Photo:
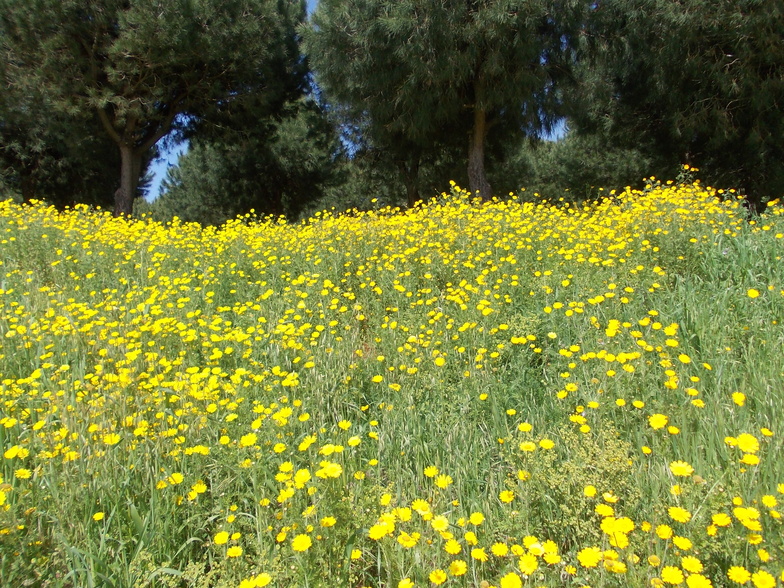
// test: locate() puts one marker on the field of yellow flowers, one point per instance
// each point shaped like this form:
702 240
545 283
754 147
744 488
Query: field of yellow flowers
504 393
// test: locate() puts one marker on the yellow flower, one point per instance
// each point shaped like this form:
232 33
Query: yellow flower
22 474
301 542
691 564
499 549
679 514
452 547
671 575
681 468
248 440
664 531
752 293
405 583
440 523
528 564
329 470
604 510
738 574
458 567
698 581
589 491
747 443
511 580
259 581
220 538
234 551
438 577
506 496
406 540
431 471
381 529
98 516
420 506
763 579
328 521
477 518
546 444
479 554
443 481
682 543
111 439
721 519
527 446
589 557
658 421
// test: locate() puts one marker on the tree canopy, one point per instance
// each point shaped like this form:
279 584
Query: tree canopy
141 66
432 72
273 166
421 92
694 82
53 156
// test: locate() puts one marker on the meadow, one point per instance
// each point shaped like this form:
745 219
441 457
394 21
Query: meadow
505 393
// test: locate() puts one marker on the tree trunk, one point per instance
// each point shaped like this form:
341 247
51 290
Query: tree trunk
27 186
477 180
131 163
410 171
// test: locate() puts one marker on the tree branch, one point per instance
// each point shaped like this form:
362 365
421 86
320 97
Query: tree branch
155 135
107 124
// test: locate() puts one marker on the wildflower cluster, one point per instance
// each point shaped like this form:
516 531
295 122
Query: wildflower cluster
499 393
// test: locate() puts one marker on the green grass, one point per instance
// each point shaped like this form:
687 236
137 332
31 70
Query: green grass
267 403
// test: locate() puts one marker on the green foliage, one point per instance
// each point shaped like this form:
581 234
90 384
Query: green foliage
141 67
553 483
48 155
271 167
575 168
689 82
424 74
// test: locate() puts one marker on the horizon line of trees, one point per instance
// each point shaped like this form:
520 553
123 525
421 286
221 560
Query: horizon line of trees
385 99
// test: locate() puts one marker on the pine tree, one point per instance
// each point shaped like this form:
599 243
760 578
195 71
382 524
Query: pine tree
693 82
425 73
270 166
49 157
146 68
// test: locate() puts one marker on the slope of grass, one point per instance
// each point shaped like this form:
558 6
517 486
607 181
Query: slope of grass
466 394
